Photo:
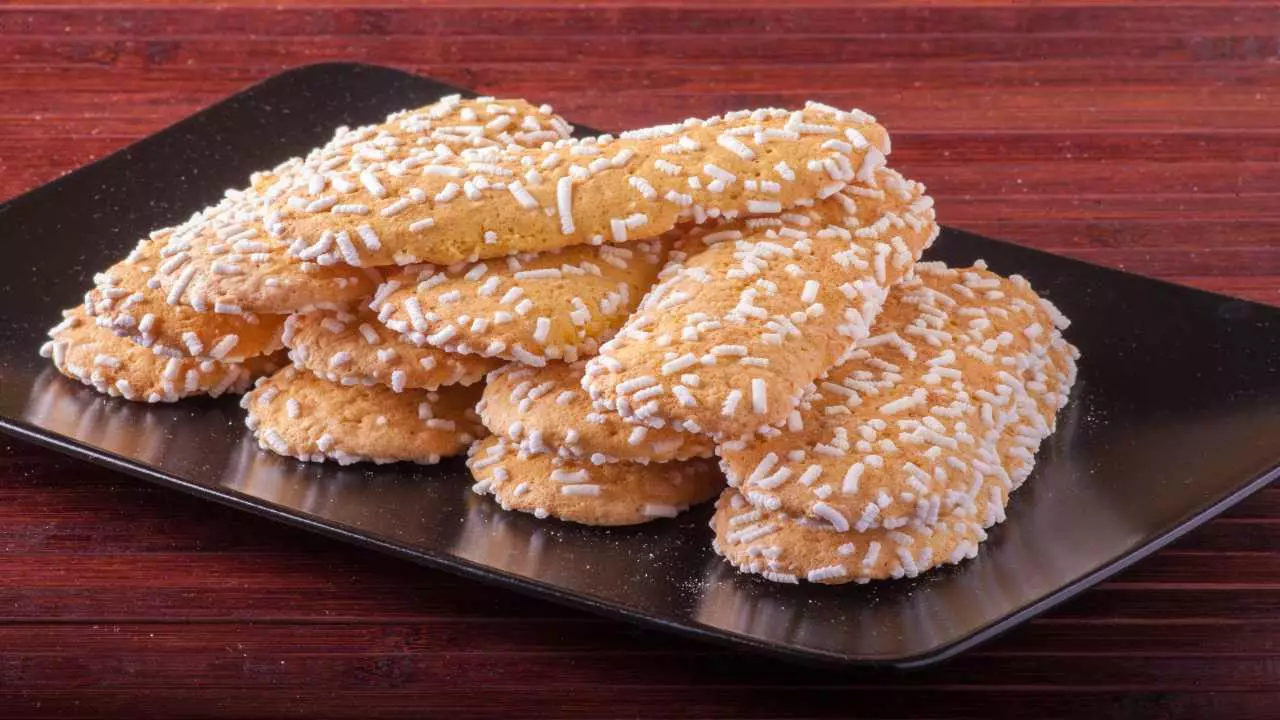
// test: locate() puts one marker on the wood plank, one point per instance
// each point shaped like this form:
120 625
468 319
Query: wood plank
496 636
1019 110
271 49
546 20
657 75
446 698
160 659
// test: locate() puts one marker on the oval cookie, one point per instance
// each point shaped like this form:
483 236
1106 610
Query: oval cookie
113 365
960 359
524 308
494 202
409 140
614 494
545 411
297 414
788 549
748 314
124 301
224 255
240 253
355 349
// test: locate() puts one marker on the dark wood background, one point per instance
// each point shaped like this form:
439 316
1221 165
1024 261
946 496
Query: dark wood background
1127 134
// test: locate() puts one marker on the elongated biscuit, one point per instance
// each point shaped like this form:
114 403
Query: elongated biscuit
525 308
126 301
410 139
356 349
239 252
223 255
545 411
960 359
749 314
493 202
785 548
299 415
613 494
116 366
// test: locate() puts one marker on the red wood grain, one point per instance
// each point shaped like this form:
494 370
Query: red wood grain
1136 135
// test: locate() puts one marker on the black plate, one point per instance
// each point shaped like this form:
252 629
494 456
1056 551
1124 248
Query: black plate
1175 418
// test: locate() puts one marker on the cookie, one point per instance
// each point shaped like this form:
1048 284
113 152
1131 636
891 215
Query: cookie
788 549
961 359
409 140
124 301
545 411
239 252
355 349
113 365
748 314
297 414
224 256
613 494
557 305
492 202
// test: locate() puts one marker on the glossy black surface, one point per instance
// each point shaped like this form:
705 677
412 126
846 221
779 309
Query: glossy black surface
1176 416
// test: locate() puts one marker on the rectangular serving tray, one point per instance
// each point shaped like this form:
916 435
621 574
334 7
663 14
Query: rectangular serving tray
1175 418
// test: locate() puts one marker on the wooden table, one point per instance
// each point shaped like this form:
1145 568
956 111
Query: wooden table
1136 136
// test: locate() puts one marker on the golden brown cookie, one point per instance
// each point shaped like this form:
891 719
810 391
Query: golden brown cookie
494 202
241 253
556 305
960 358
297 414
225 256
545 411
788 549
121 368
123 301
748 314
410 140
613 494
364 181
356 349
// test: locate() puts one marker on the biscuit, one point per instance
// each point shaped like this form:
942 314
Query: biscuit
747 315
613 494
238 252
524 308
124 302
356 349
297 414
492 202
787 549
545 411
113 365
411 139
961 358
224 256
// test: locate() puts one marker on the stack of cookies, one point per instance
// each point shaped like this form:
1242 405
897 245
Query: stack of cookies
132 338
206 307
905 452
744 287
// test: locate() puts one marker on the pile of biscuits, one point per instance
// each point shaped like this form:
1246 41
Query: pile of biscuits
610 327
